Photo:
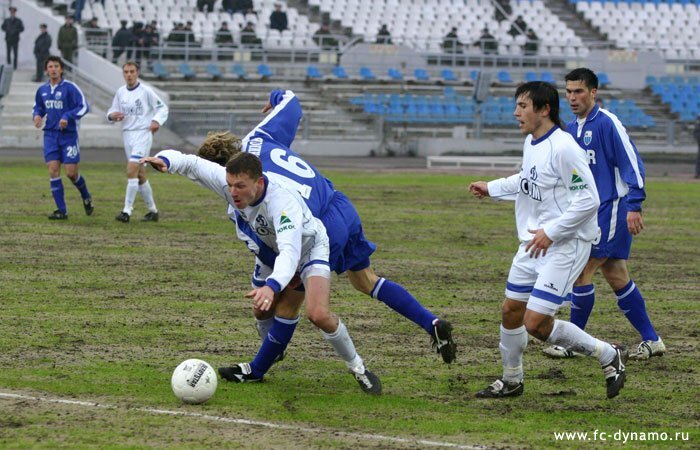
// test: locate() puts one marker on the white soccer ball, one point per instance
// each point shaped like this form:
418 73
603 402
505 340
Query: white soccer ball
194 381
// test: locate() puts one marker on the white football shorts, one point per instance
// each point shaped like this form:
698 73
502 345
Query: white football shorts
137 144
545 282
314 263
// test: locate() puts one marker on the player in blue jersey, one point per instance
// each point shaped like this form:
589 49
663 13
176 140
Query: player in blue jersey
350 250
63 104
619 175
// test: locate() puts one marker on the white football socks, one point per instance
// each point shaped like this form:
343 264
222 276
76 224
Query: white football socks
147 194
344 347
567 335
132 188
512 345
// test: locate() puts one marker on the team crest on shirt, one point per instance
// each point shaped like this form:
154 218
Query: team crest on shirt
261 226
285 223
58 95
588 137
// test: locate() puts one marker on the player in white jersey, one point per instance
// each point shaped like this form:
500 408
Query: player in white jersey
555 212
270 214
142 113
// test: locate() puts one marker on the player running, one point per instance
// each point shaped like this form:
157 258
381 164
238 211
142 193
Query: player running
555 212
63 104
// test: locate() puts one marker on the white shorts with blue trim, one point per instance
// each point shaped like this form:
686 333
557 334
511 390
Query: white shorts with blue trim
545 282
137 144
314 263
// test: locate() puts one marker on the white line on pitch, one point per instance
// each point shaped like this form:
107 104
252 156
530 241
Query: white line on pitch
277 426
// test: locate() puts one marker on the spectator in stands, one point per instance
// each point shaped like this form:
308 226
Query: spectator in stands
324 39
487 43
248 36
96 37
189 35
150 39
68 39
78 6
383 35
42 50
12 26
139 43
451 42
205 5
696 133
502 10
155 34
122 40
532 43
518 27
177 34
224 38
278 18
238 6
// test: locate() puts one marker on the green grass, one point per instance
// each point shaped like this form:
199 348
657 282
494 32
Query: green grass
97 310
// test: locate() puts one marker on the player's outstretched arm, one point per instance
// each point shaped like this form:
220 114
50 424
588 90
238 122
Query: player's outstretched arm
155 162
479 189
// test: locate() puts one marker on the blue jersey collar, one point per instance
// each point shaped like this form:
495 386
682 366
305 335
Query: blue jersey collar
594 112
262 197
135 87
549 133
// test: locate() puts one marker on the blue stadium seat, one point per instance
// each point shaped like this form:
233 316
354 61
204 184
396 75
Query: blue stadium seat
367 74
186 71
264 71
239 71
213 70
421 75
395 74
473 74
548 77
160 70
339 73
504 77
448 75
603 79
531 76
313 73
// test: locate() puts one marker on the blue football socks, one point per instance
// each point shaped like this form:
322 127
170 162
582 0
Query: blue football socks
273 345
631 302
582 300
57 192
82 187
400 300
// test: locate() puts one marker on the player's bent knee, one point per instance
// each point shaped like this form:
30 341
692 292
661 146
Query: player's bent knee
539 325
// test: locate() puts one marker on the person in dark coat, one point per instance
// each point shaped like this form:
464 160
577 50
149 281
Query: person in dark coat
123 40
451 42
383 35
68 39
224 38
12 26
278 18
532 43
42 50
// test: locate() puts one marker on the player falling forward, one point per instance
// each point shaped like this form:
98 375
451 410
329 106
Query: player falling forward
555 212
350 251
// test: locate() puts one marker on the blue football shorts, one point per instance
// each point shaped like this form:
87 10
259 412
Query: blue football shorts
61 146
615 239
350 250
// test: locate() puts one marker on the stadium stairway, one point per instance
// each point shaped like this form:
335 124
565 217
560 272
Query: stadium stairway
583 29
18 132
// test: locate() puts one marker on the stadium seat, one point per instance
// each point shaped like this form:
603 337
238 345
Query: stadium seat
186 71
395 74
239 71
421 75
339 73
448 75
548 77
313 73
213 70
504 77
366 74
160 71
531 76
264 71
603 79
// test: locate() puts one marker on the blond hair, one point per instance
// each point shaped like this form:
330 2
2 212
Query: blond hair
219 147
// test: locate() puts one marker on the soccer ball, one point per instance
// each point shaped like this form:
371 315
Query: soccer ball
194 381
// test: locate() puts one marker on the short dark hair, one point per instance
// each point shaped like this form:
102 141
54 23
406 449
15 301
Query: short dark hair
589 78
542 94
246 163
132 63
53 58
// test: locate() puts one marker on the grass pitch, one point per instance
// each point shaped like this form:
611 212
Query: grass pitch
97 310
